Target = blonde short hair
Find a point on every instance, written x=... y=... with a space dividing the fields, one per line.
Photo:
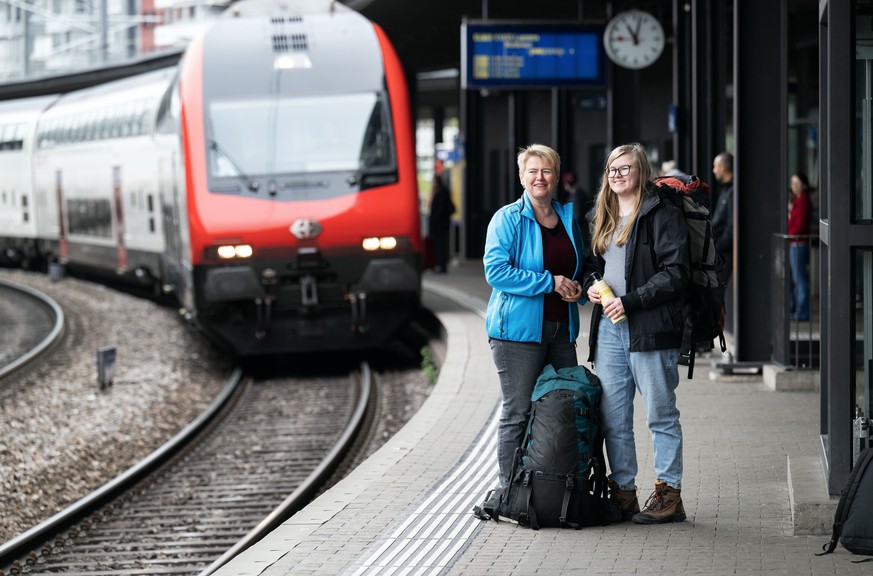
x=541 y=151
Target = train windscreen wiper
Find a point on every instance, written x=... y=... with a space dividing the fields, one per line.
x=252 y=183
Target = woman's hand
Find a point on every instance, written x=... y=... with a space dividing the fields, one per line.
x=614 y=308
x=593 y=295
x=576 y=295
x=567 y=289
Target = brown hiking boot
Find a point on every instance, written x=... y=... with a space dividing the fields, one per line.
x=626 y=499
x=664 y=505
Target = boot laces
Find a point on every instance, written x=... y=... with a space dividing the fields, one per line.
x=657 y=500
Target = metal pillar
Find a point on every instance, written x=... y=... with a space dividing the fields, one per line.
x=760 y=179
x=837 y=236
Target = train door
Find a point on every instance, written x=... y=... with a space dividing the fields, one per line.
x=169 y=202
x=63 y=244
x=121 y=247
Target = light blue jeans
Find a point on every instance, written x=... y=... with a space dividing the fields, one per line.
x=656 y=375
x=519 y=364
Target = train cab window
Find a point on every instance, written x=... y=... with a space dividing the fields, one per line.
x=376 y=149
x=325 y=133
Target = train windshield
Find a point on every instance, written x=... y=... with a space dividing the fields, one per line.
x=258 y=137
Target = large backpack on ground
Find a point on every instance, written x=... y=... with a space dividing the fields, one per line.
x=559 y=477
x=853 y=522
x=704 y=318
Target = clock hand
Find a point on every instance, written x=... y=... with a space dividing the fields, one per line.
x=633 y=33
x=636 y=33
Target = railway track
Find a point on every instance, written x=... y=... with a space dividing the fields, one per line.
x=262 y=451
x=32 y=323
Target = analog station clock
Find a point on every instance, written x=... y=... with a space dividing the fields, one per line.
x=633 y=39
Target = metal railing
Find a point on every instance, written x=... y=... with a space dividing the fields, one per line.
x=794 y=293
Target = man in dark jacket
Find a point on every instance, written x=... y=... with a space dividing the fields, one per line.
x=723 y=214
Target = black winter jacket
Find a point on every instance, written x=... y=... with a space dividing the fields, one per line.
x=657 y=270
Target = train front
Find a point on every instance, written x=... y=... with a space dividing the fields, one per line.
x=302 y=195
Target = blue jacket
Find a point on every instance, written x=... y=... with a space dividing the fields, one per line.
x=514 y=269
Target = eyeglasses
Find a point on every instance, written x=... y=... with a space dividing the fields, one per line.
x=624 y=171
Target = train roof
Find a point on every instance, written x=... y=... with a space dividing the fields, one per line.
x=148 y=86
x=323 y=52
x=24 y=108
x=256 y=8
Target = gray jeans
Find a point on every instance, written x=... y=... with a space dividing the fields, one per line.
x=519 y=364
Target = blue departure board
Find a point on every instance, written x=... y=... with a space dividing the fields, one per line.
x=526 y=55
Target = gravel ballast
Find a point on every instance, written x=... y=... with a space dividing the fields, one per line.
x=62 y=437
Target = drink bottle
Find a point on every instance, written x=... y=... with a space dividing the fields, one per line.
x=606 y=294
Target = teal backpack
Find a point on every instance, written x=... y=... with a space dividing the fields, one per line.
x=559 y=476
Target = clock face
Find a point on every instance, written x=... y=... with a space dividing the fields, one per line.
x=633 y=39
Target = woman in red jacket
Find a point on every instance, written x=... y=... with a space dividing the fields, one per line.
x=798 y=232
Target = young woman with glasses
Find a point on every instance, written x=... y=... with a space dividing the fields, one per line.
x=639 y=245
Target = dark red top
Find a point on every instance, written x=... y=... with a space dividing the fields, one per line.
x=559 y=258
x=798 y=218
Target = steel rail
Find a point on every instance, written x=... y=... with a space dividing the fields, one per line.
x=34 y=537
x=49 y=341
x=301 y=496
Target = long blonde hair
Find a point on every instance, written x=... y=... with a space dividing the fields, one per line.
x=607 y=211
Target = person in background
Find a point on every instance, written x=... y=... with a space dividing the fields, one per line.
x=723 y=213
x=439 y=223
x=640 y=247
x=668 y=168
x=566 y=192
x=533 y=255
x=799 y=214
x=569 y=191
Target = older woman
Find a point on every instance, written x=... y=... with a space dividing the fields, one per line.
x=640 y=246
x=533 y=253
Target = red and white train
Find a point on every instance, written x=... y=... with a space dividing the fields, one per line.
x=268 y=180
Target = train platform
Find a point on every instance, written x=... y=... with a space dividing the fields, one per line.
x=753 y=489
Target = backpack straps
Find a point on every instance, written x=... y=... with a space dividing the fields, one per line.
x=490 y=509
x=529 y=516
x=832 y=545
x=565 y=504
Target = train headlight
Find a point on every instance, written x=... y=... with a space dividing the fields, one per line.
x=229 y=251
x=384 y=243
